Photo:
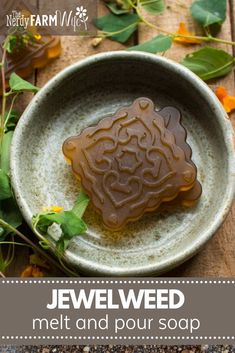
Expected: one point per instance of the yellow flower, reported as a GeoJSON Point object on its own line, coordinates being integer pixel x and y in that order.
{"type": "Point", "coordinates": [56, 209]}
{"type": "Point", "coordinates": [37, 36]}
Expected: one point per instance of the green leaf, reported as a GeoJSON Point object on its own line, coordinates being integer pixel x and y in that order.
{"type": "Point", "coordinates": [11, 44]}
{"type": "Point", "coordinates": [153, 6]}
{"type": "Point", "coordinates": [116, 10]}
{"type": "Point", "coordinates": [12, 120]}
{"type": "Point", "coordinates": [70, 224]}
{"type": "Point", "coordinates": [10, 213]}
{"type": "Point", "coordinates": [36, 259]}
{"type": "Point", "coordinates": [17, 84]}
{"type": "Point", "coordinates": [2, 234]}
{"type": "Point", "coordinates": [158, 44]}
{"type": "Point", "coordinates": [62, 244]}
{"type": "Point", "coordinates": [120, 27]}
{"type": "Point", "coordinates": [81, 204]}
{"type": "Point", "coordinates": [209, 63]}
{"type": "Point", "coordinates": [5, 151]}
{"type": "Point", "coordinates": [209, 12]}
{"type": "Point", "coordinates": [5, 186]}
{"type": "Point", "coordinates": [19, 40]}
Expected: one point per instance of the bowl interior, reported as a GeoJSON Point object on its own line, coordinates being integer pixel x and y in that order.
{"type": "Point", "coordinates": [81, 98]}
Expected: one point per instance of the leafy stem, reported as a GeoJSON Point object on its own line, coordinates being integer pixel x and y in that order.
{"type": "Point", "coordinates": [208, 38]}
{"type": "Point", "coordinates": [137, 6]}
{"type": "Point", "coordinates": [8, 121]}
{"type": "Point", "coordinates": [10, 110]}
{"type": "Point", "coordinates": [104, 34]}
{"type": "Point", "coordinates": [14, 243]}
{"type": "Point", "coordinates": [5, 262]}
{"type": "Point", "coordinates": [219, 40]}
{"type": "Point", "coordinates": [15, 231]}
{"type": "Point", "coordinates": [3, 93]}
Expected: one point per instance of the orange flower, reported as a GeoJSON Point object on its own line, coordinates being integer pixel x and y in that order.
{"type": "Point", "coordinates": [32, 271]}
{"type": "Point", "coordinates": [182, 30]}
{"type": "Point", "coordinates": [221, 93]}
{"type": "Point", "coordinates": [227, 101]}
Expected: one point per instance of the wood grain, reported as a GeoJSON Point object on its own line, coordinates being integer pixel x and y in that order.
{"type": "Point", "coordinates": [218, 256]}
{"type": "Point", "coordinates": [76, 48]}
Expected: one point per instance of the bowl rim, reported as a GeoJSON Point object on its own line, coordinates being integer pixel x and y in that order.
{"type": "Point", "coordinates": [219, 114]}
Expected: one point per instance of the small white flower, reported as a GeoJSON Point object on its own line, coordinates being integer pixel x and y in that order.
{"type": "Point", "coordinates": [81, 12]}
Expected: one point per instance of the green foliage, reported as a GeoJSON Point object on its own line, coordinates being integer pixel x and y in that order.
{"type": "Point", "coordinates": [5, 186]}
{"type": "Point", "coordinates": [18, 40]}
{"type": "Point", "coordinates": [37, 260]}
{"type": "Point", "coordinates": [70, 222]}
{"type": "Point", "coordinates": [118, 7]}
{"type": "Point", "coordinates": [209, 12]}
{"type": "Point", "coordinates": [71, 225]}
{"type": "Point", "coordinates": [81, 204]}
{"type": "Point", "coordinates": [17, 84]}
{"type": "Point", "coordinates": [158, 44]}
{"type": "Point", "coordinates": [209, 63]}
{"type": "Point", "coordinates": [11, 119]}
{"type": "Point", "coordinates": [11, 44]}
{"type": "Point", "coordinates": [9, 211]}
{"type": "Point", "coordinates": [153, 6]}
{"type": "Point", "coordinates": [117, 10]}
{"type": "Point", "coordinates": [118, 28]}
{"type": "Point", "coordinates": [5, 151]}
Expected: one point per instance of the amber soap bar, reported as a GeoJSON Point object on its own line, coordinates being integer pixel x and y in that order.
{"type": "Point", "coordinates": [132, 161]}
{"type": "Point", "coordinates": [35, 55]}
{"type": "Point", "coordinates": [172, 119]}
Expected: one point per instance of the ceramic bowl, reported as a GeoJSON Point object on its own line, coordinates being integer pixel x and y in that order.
{"type": "Point", "coordinates": [80, 96]}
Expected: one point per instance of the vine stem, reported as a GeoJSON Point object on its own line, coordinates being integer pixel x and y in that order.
{"type": "Point", "coordinates": [110, 34]}
{"type": "Point", "coordinates": [3, 93]}
{"type": "Point", "coordinates": [50, 259]}
{"type": "Point", "coordinates": [218, 40]}
{"type": "Point", "coordinates": [208, 38]}
{"type": "Point", "coordinates": [174, 35]}
{"type": "Point", "coordinates": [10, 109]}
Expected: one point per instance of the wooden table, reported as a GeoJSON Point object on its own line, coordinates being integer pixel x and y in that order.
{"type": "Point", "coordinates": [218, 256]}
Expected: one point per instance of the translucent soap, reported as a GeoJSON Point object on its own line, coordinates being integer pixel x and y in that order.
{"type": "Point", "coordinates": [131, 162]}
{"type": "Point", "coordinates": [34, 55]}
{"type": "Point", "coordinates": [172, 119]}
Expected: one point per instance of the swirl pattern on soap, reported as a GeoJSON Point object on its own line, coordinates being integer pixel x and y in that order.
{"type": "Point", "coordinates": [129, 163]}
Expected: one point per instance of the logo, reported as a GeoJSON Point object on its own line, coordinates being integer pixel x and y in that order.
{"type": "Point", "coordinates": [73, 17]}
{"type": "Point", "coordinates": [77, 20]}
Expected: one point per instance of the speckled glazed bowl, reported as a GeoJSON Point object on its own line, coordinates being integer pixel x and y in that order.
{"type": "Point", "coordinates": [81, 95]}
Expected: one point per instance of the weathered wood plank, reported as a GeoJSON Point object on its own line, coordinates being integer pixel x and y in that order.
{"type": "Point", "coordinates": [75, 48]}
{"type": "Point", "coordinates": [218, 256]}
